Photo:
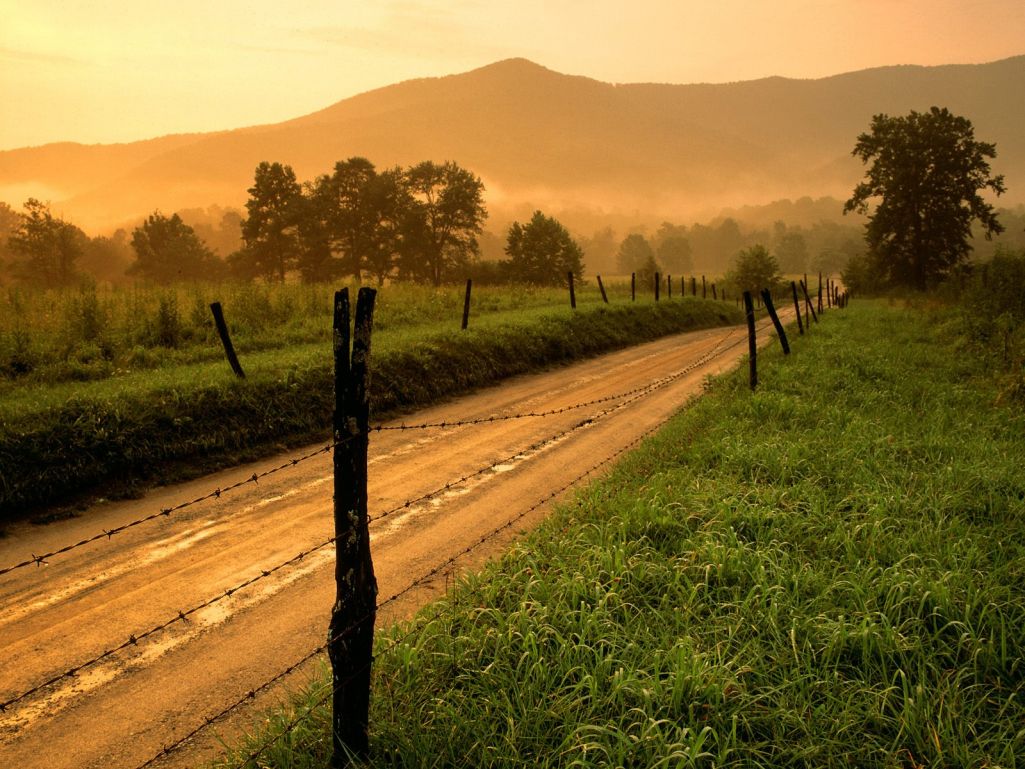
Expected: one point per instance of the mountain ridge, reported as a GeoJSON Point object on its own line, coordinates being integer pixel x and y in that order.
{"type": "Point", "coordinates": [540, 136]}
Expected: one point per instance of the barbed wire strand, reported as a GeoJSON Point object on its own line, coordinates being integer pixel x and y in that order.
{"type": "Point", "coordinates": [183, 615]}
{"type": "Point", "coordinates": [42, 559]}
{"type": "Point", "coordinates": [252, 693]}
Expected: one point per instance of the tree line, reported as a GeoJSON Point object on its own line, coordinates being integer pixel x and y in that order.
{"type": "Point", "coordinates": [424, 223]}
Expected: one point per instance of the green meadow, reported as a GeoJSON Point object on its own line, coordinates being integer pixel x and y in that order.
{"type": "Point", "coordinates": [828, 572]}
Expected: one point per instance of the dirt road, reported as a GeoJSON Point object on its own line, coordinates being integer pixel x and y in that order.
{"type": "Point", "coordinates": [121, 710]}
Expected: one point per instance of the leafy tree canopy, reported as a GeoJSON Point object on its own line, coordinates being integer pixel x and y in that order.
{"type": "Point", "coordinates": [636, 255]}
{"type": "Point", "coordinates": [167, 250]}
{"type": "Point", "coordinates": [927, 171]}
{"type": "Point", "coordinates": [271, 230]}
{"type": "Point", "coordinates": [542, 251]}
{"type": "Point", "coordinates": [755, 269]}
{"type": "Point", "coordinates": [48, 245]}
{"type": "Point", "coordinates": [441, 221]}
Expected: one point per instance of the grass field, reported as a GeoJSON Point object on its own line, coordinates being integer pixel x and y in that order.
{"type": "Point", "coordinates": [829, 572]}
{"type": "Point", "coordinates": [61, 437]}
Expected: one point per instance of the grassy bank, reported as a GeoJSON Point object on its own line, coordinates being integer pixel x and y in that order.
{"type": "Point", "coordinates": [829, 572]}
{"type": "Point", "coordinates": [67, 438]}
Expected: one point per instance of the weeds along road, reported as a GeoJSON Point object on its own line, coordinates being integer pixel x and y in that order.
{"type": "Point", "coordinates": [122, 710]}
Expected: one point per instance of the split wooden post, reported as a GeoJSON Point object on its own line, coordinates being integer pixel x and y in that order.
{"type": "Point", "coordinates": [808, 303]}
{"type": "Point", "coordinates": [633, 286]}
{"type": "Point", "coordinates": [658, 283]}
{"type": "Point", "coordinates": [229, 348]}
{"type": "Point", "coordinates": [572, 293]}
{"type": "Point", "coordinates": [466, 304]}
{"type": "Point", "coordinates": [752, 344]}
{"type": "Point", "coordinates": [771, 309]}
{"type": "Point", "coordinates": [351, 631]}
{"type": "Point", "coordinates": [601, 287]}
{"type": "Point", "coordinates": [797, 308]}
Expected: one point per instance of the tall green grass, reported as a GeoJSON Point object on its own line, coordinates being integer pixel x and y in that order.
{"type": "Point", "coordinates": [95, 333]}
{"type": "Point", "coordinates": [59, 440]}
{"type": "Point", "coordinates": [828, 572]}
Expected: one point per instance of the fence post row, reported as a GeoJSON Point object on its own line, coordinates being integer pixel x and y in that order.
{"type": "Point", "coordinates": [351, 630]}
{"type": "Point", "coordinates": [601, 287]}
{"type": "Point", "coordinates": [771, 308]}
{"type": "Point", "coordinates": [572, 293]}
{"type": "Point", "coordinates": [229, 348]}
{"type": "Point", "coordinates": [797, 308]}
{"type": "Point", "coordinates": [466, 304]}
{"type": "Point", "coordinates": [752, 345]}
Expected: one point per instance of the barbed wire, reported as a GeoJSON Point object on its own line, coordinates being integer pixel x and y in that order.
{"type": "Point", "coordinates": [252, 693]}
{"type": "Point", "coordinates": [41, 560]}
{"type": "Point", "coordinates": [183, 615]}
{"type": "Point", "coordinates": [217, 493]}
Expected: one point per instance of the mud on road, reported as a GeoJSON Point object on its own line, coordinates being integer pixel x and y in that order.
{"type": "Point", "coordinates": [121, 711]}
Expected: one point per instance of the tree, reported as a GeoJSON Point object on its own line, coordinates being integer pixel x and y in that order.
{"type": "Point", "coordinates": [50, 246]}
{"type": "Point", "coordinates": [542, 251]}
{"type": "Point", "coordinates": [167, 250]}
{"type": "Point", "coordinates": [635, 255]}
{"type": "Point", "coordinates": [927, 169]}
{"type": "Point", "coordinates": [754, 269]}
{"type": "Point", "coordinates": [362, 215]}
{"type": "Point", "coordinates": [271, 231]}
{"type": "Point", "coordinates": [439, 223]}
{"type": "Point", "coordinates": [672, 248]}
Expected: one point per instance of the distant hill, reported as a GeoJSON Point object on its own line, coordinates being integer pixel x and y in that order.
{"type": "Point", "coordinates": [540, 138]}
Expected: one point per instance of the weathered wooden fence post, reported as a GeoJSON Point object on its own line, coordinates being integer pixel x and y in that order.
{"type": "Point", "coordinates": [229, 348]}
{"type": "Point", "coordinates": [808, 303]}
{"type": "Point", "coordinates": [351, 631]}
{"type": "Point", "coordinates": [693, 286]}
{"type": "Point", "coordinates": [820, 293]}
{"type": "Point", "coordinates": [771, 309]}
{"type": "Point", "coordinates": [752, 344]}
{"type": "Point", "coordinates": [704, 289]}
{"type": "Point", "coordinates": [658, 283]}
{"type": "Point", "coordinates": [601, 287]}
{"type": "Point", "coordinates": [669, 286]}
{"type": "Point", "coordinates": [797, 308]}
{"type": "Point", "coordinates": [715, 294]}
{"type": "Point", "coordinates": [572, 293]}
{"type": "Point", "coordinates": [466, 304]}
{"type": "Point", "coordinates": [633, 286]}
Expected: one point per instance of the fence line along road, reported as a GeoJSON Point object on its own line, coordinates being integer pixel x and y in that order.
{"type": "Point", "coordinates": [627, 396]}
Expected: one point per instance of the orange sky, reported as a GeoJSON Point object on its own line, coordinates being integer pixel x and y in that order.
{"type": "Point", "coordinates": [107, 71]}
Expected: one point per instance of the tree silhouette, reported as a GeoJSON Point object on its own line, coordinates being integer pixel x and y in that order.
{"type": "Point", "coordinates": [167, 250]}
{"type": "Point", "coordinates": [271, 230]}
{"type": "Point", "coordinates": [48, 245]}
{"type": "Point", "coordinates": [542, 251]}
{"type": "Point", "coordinates": [927, 170]}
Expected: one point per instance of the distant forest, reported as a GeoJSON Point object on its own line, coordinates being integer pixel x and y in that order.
{"type": "Point", "coordinates": [212, 244]}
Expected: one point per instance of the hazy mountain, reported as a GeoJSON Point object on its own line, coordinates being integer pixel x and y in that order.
{"type": "Point", "coordinates": [541, 138]}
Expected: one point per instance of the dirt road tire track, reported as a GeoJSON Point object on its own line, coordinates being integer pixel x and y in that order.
{"type": "Point", "coordinates": [123, 710]}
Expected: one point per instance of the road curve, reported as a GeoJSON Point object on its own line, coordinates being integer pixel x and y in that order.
{"type": "Point", "coordinates": [120, 711]}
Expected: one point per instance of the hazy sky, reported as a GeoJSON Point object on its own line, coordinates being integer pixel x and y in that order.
{"type": "Point", "coordinates": [114, 70]}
